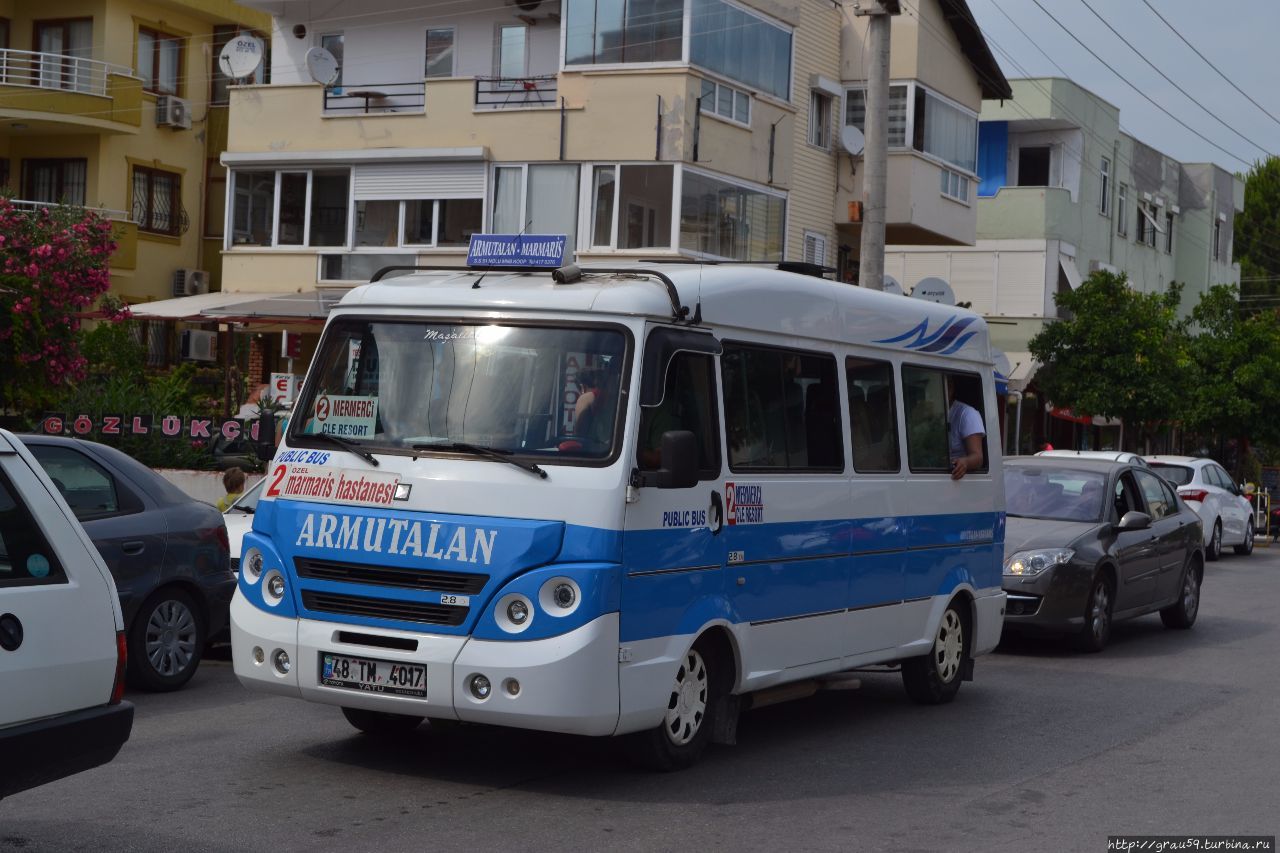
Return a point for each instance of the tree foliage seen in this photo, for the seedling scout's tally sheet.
(53, 267)
(1257, 228)
(1116, 353)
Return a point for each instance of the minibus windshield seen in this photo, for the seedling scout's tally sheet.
(519, 390)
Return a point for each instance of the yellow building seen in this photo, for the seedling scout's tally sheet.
(118, 105)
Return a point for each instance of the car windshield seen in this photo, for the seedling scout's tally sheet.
(1059, 494)
(1178, 475)
(408, 386)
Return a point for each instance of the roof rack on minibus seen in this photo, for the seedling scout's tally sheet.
(801, 267)
(563, 275)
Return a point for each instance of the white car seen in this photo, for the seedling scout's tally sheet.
(1209, 490)
(239, 520)
(62, 641)
(1107, 455)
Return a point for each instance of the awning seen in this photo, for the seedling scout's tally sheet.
(310, 306)
(1021, 367)
(1068, 265)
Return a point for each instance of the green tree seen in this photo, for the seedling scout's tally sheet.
(1237, 366)
(1257, 230)
(1116, 353)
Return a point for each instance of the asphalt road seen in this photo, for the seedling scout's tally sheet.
(1166, 732)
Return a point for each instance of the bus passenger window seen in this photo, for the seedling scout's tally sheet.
(782, 410)
(873, 419)
(688, 403)
(929, 395)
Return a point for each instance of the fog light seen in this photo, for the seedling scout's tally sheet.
(275, 586)
(282, 662)
(564, 596)
(253, 564)
(480, 687)
(513, 687)
(258, 654)
(517, 612)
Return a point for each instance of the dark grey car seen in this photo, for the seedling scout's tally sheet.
(167, 553)
(1090, 542)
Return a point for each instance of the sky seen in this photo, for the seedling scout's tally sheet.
(1240, 37)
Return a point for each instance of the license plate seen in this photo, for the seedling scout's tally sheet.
(373, 676)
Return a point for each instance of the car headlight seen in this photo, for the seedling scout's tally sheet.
(1028, 564)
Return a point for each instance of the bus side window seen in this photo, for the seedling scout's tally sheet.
(927, 401)
(688, 403)
(873, 419)
(782, 410)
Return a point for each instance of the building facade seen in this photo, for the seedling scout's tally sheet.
(1064, 192)
(118, 105)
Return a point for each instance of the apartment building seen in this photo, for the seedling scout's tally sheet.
(1064, 192)
(696, 129)
(118, 105)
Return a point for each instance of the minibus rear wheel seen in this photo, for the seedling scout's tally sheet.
(934, 678)
(678, 741)
(380, 723)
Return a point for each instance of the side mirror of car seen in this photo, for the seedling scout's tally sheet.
(1134, 520)
(679, 460)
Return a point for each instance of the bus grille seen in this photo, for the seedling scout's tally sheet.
(405, 578)
(383, 608)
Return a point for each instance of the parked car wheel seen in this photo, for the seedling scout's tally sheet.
(1214, 549)
(934, 679)
(679, 740)
(166, 640)
(1246, 547)
(380, 723)
(1097, 617)
(1183, 613)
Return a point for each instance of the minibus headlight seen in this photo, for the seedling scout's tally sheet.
(252, 565)
(513, 613)
(273, 587)
(559, 596)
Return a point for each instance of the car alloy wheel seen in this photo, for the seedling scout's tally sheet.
(1100, 614)
(1190, 595)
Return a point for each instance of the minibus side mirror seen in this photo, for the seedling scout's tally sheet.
(679, 460)
(266, 444)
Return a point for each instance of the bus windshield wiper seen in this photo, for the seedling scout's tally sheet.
(486, 452)
(346, 444)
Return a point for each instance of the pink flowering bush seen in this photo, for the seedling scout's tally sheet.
(53, 270)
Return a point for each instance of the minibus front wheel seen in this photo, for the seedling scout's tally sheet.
(934, 678)
(686, 728)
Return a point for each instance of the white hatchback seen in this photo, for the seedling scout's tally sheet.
(1106, 455)
(1209, 490)
(62, 642)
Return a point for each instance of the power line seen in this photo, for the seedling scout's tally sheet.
(1171, 82)
(1126, 81)
(1174, 30)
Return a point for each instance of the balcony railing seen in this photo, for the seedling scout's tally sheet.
(56, 71)
(33, 206)
(510, 92)
(365, 98)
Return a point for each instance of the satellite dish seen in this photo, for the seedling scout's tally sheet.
(934, 290)
(891, 285)
(852, 140)
(241, 57)
(322, 66)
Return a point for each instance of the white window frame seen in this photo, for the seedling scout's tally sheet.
(1122, 199)
(342, 63)
(1104, 172)
(453, 59)
(677, 193)
(586, 198)
(734, 91)
(306, 212)
(1147, 235)
(914, 90)
(822, 128)
(961, 178)
(497, 46)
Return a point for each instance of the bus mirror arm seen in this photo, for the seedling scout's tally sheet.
(679, 468)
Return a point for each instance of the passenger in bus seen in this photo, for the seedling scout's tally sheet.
(592, 413)
(964, 434)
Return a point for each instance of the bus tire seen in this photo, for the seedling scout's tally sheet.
(678, 741)
(380, 723)
(934, 678)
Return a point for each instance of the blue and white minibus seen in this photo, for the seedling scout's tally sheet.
(623, 501)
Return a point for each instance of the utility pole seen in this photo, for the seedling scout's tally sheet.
(875, 158)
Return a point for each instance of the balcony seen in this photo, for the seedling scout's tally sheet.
(56, 90)
(1035, 213)
(123, 230)
(917, 213)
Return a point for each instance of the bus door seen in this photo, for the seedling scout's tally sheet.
(672, 551)
(786, 506)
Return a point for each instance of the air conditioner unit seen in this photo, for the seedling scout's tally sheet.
(190, 282)
(173, 112)
(199, 345)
